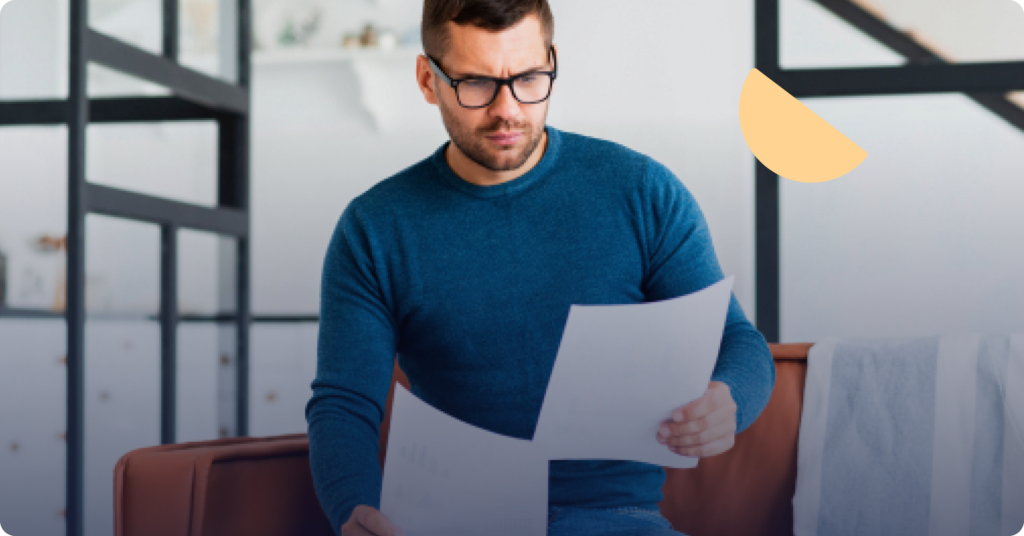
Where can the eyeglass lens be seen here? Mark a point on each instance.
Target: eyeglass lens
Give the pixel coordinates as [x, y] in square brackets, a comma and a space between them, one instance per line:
[528, 89]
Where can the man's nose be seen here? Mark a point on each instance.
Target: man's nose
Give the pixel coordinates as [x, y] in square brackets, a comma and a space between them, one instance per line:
[505, 104]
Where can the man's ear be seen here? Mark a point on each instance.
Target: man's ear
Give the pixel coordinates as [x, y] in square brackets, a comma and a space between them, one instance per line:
[425, 78]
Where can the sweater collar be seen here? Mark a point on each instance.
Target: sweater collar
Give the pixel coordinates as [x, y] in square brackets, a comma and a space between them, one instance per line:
[512, 187]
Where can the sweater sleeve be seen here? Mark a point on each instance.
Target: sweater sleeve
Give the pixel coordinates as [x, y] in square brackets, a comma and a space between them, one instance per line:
[355, 357]
[680, 260]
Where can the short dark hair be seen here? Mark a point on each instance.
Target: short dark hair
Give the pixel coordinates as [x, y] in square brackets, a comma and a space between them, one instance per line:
[491, 15]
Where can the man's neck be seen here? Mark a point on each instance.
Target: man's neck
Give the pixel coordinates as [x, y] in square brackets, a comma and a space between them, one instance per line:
[474, 173]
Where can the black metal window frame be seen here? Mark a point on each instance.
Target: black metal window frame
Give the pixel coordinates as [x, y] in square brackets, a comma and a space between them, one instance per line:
[195, 96]
[986, 83]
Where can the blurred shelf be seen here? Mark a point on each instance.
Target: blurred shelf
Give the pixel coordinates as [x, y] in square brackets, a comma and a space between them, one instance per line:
[23, 313]
[16, 312]
[46, 314]
[292, 56]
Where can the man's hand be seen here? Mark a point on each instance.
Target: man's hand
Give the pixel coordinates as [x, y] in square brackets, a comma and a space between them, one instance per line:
[368, 521]
[704, 427]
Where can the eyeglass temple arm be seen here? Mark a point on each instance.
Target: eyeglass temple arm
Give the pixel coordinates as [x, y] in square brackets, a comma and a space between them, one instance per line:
[437, 70]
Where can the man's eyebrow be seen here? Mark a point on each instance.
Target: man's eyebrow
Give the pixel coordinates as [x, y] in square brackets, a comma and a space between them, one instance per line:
[469, 74]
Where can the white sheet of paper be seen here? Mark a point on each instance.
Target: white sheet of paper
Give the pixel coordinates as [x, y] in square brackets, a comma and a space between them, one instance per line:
[443, 477]
[621, 370]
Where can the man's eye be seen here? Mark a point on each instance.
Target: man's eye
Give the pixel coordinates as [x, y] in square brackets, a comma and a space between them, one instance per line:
[473, 83]
[528, 79]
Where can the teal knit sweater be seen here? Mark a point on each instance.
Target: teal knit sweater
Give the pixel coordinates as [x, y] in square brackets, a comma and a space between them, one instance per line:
[470, 287]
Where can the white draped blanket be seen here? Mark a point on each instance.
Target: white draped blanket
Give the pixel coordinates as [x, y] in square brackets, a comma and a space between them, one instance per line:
[912, 437]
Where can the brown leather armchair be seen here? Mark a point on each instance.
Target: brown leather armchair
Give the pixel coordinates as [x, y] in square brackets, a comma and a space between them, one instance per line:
[262, 486]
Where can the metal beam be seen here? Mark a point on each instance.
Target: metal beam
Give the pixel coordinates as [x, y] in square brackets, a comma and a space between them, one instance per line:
[78, 120]
[234, 191]
[184, 82]
[766, 252]
[766, 36]
[148, 110]
[134, 206]
[168, 332]
[244, 44]
[243, 322]
[766, 186]
[170, 29]
[224, 318]
[106, 110]
[17, 312]
[233, 162]
[41, 112]
[914, 78]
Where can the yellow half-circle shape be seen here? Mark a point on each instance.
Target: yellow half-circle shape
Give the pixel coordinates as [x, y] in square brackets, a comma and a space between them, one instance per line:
[790, 139]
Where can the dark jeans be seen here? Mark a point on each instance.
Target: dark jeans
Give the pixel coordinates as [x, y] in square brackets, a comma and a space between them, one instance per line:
[626, 521]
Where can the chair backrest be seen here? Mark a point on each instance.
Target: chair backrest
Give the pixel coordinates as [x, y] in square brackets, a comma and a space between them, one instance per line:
[249, 486]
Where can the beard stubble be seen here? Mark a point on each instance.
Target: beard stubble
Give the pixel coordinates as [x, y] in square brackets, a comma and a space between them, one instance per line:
[474, 144]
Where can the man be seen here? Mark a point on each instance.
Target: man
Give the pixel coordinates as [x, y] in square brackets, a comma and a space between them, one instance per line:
[465, 266]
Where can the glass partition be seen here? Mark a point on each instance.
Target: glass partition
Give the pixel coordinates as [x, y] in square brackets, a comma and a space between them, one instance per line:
[207, 37]
[33, 372]
[122, 406]
[923, 238]
[955, 30]
[33, 50]
[810, 36]
[207, 30]
[206, 336]
[136, 22]
[283, 363]
[172, 160]
[33, 222]
[122, 354]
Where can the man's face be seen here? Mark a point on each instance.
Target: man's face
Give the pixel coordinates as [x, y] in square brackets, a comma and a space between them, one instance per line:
[502, 136]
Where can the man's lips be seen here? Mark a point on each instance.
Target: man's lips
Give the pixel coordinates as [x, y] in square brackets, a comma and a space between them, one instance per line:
[504, 138]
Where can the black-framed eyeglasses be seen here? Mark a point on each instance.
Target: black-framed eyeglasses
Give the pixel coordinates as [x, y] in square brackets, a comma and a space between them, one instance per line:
[530, 87]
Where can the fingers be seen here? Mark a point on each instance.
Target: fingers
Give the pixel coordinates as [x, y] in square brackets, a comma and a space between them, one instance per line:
[704, 427]
[351, 528]
[367, 521]
[714, 433]
[718, 394]
[674, 429]
[714, 408]
[711, 449]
